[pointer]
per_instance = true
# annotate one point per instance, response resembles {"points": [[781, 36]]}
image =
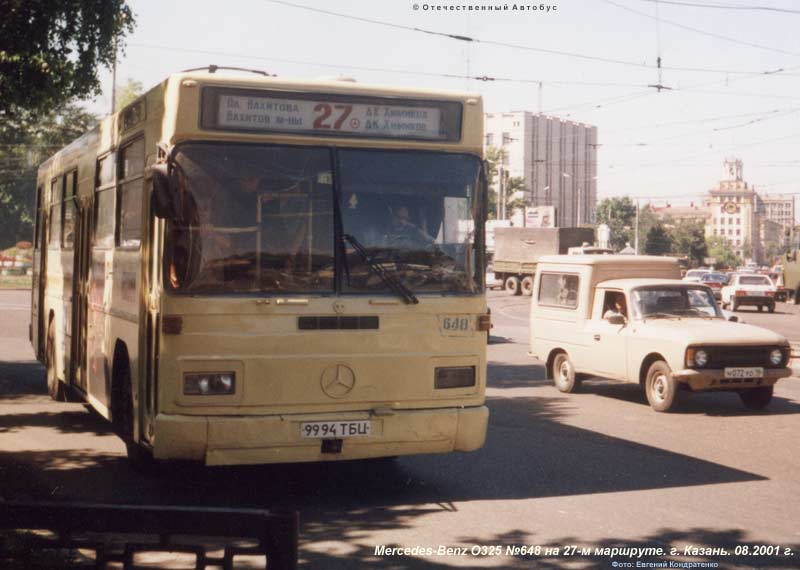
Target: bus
{"points": [[245, 269]]}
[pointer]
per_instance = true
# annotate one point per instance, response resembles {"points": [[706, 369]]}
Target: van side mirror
{"points": [[163, 200], [616, 319]]}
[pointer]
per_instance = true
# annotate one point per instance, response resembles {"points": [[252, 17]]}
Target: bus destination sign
{"points": [[336, 116]]}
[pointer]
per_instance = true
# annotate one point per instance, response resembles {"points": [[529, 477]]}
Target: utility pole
{"points": [[636, 237]]}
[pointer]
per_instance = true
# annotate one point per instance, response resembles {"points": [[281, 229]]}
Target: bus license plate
{"points": [[335, 430], [744, 373]]}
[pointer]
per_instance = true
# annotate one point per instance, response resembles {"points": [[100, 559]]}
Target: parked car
{"points": [[611, 316], [695, 275], [749, 289], [715, 281]]}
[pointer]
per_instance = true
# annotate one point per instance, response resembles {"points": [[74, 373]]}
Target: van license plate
{"points": [[744, 373], [335, 430]]}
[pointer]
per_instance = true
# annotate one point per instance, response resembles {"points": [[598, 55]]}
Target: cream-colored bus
{"points": [[246, 269]]}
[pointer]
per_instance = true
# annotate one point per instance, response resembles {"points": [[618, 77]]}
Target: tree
{"points": [[26, 140], [50, 51], [720, 249], [658, 241], [619, 214], [689, 240], [128, 93], [494, 158]]}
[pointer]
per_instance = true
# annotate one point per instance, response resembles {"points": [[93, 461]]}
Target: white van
{"points": [[630, 318]]}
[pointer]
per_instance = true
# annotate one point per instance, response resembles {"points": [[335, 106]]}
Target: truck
{"points": [[517, 251]]}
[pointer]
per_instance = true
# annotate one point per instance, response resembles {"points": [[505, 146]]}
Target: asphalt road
{"points": [[597, 469]]}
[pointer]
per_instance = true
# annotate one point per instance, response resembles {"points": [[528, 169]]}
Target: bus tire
{"points": [[513, 285], [123, 419], [54, 386], [527, 286], [661, 388]]}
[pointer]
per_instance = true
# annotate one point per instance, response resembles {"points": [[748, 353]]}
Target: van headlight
{"points": [[776, 357], [209, 383], [700, 358]]}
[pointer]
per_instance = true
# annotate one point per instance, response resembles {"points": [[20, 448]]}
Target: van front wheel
{"points": [[564, 376], [661, 388]]}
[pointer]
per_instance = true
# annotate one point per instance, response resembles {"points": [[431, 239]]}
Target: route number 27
{"points": [[325, 111]]}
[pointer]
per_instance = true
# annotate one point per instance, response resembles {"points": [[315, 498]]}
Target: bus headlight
{"points": [[209, 383], [454, 377], [776, 357]]}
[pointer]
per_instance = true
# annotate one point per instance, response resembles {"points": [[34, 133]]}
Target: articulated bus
{"points": [[240, 269]]}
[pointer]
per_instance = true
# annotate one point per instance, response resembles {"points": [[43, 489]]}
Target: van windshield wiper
{"points": [[388, 279]]}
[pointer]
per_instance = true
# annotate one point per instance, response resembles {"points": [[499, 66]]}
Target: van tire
{"points": [[54, 386], [527, 286], [513, 285], [757, 398], [661, 388], [563, 372]]}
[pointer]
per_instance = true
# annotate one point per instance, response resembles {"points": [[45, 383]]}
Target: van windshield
{"points": [[674, 302]]}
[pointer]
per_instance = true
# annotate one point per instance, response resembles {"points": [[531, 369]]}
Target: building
{"points": [[733, 208], [779, 209], [557, 160], [691, 213], [753, 225]]}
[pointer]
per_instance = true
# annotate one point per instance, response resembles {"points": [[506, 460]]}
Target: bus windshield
{"points": [[261, 219]]}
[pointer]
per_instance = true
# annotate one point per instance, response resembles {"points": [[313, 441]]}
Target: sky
{"points": [[733, 70]]}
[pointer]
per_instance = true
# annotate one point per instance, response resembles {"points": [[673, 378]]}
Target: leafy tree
{"points": [[50, 51], [494, 158], [689, 240], [658, 241], [619, 214], [722, 251], [128, 93], [26, 140]]}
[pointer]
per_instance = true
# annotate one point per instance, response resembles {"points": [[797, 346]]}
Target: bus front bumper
{"points": [[238, 440]]}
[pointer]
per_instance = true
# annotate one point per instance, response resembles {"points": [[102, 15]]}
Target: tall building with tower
{"points": [[557, 160]]}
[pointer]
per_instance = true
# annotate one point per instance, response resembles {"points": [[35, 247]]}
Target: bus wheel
{"points": [[661, 388], [513, 285], [123, 419], [54, 386], [563, 372], [756, 398], [527, 286]]}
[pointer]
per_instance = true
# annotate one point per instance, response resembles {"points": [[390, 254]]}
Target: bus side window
{"points": [[56, 190], [105, 203], [68, 225], [131, 187]]}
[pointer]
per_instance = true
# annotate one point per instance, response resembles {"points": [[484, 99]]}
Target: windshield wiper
{"points": [[388, 279]]}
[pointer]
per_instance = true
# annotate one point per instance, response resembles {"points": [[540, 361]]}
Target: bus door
{"points": [[39, 270], [80, 290], [100, 245]]}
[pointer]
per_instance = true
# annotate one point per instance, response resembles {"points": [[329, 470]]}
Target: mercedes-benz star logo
{"points": [[337, 380]]}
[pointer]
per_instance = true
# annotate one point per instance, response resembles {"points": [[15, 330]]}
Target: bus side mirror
{"points": [[163, 202]]}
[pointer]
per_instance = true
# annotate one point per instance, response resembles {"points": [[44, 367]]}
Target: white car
{"points": [[608, 316], [695, 275], [749, 289]]}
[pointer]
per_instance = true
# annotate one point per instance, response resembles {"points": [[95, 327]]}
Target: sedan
{"points": [[749, 289], [716, 281]]}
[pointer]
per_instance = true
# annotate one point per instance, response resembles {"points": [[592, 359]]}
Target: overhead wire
{"points": [[721, 6]]}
